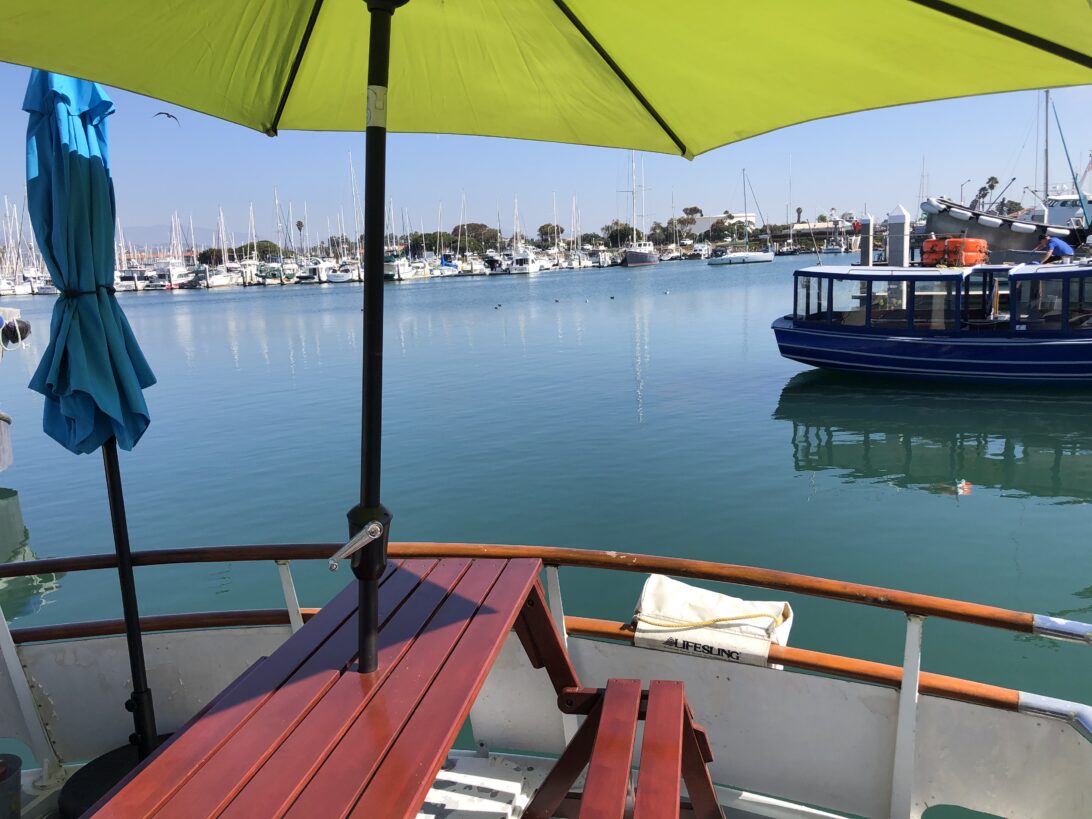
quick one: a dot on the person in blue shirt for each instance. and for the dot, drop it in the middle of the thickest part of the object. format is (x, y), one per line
(1055, 248)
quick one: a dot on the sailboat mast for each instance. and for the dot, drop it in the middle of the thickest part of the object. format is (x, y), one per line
(746, 223)
(1046, 143)
(633, 192)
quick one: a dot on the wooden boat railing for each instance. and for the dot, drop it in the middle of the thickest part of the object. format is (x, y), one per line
(915, 606)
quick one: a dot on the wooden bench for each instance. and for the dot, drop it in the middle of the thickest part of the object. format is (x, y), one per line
(673, 749)
(304, 734)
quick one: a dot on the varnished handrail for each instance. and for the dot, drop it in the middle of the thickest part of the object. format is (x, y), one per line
(908, 602)
(157, 622)
(163, 557)
(880, 673)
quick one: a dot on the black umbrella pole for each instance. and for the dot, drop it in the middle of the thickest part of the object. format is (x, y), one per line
(369, 562)
(140, 703)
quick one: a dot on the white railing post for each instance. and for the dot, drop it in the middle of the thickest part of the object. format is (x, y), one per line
(295, 619)
(906, 729)
(40, 743)
(557, 610)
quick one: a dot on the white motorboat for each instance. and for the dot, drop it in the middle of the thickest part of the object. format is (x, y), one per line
(7, 287)
(397, 269)
(742, 257)
(317, 271)
(171, 273)
(525, 260)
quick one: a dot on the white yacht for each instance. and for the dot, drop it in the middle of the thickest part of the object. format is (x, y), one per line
(398, 268)
(742, 257)
(525, 260)
(347, 271)
(171, 274)
(318, 271)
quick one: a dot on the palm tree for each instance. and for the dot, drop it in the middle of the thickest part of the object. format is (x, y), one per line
(299, 227)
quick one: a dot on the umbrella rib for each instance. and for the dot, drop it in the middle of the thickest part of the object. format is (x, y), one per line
(1005, 30)
(272, 129)
(617, 69)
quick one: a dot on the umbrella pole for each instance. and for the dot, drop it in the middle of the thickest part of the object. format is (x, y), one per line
(370, 561)
(140, 702)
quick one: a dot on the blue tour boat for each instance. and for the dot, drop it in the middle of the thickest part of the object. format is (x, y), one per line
(1027, 324)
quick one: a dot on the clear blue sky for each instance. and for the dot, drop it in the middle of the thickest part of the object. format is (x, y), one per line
(872, 158)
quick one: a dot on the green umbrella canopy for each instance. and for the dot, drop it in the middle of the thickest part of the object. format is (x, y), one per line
(668, 77)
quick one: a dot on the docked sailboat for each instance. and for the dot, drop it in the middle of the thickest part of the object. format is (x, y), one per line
(638, 252)
(746, 255)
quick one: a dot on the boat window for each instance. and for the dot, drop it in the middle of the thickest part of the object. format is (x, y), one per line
(849, 302)
(889, 303)
(934, 305)
(811, 298)
(1039, 305)
(1080, 303)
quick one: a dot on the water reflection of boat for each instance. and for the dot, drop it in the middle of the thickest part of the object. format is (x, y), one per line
(1035, 443)
(19, 596)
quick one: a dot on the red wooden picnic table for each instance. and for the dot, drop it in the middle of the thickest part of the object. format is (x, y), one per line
(302, 733)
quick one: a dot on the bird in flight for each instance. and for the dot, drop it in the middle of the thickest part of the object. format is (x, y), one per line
(168, 116)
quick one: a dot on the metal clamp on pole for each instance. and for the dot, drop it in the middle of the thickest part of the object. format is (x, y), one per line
(371, 531)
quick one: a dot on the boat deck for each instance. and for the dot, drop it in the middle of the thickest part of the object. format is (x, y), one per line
(302, 733)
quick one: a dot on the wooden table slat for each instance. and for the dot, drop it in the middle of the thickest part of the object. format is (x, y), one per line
(226, 771)
(346, 772)
(660, 775)
(289, 767)
(162, 775)
(410, 767)
(607, 783)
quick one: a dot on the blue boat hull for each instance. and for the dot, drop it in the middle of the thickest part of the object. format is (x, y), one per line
(1001, 359)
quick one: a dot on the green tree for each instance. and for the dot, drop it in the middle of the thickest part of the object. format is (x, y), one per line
(822, 217)
(658, 234)
(617, 233)
(591, 239)
(692, 211)
(210, 256)
(1011, 206)
(719, 231)
(548, 232)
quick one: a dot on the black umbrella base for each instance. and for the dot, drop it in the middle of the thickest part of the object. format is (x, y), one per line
(95, 779)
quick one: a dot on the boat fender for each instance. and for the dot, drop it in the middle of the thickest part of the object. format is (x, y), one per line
(1023, 227)
(989, 221)
(960, 214)
(1061, 233)
(676, 617)
(932, 205)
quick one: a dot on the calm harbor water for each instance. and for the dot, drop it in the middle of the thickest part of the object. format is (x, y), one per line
(643, 410)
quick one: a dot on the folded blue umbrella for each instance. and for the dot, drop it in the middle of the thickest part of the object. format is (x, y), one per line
(93, 373)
